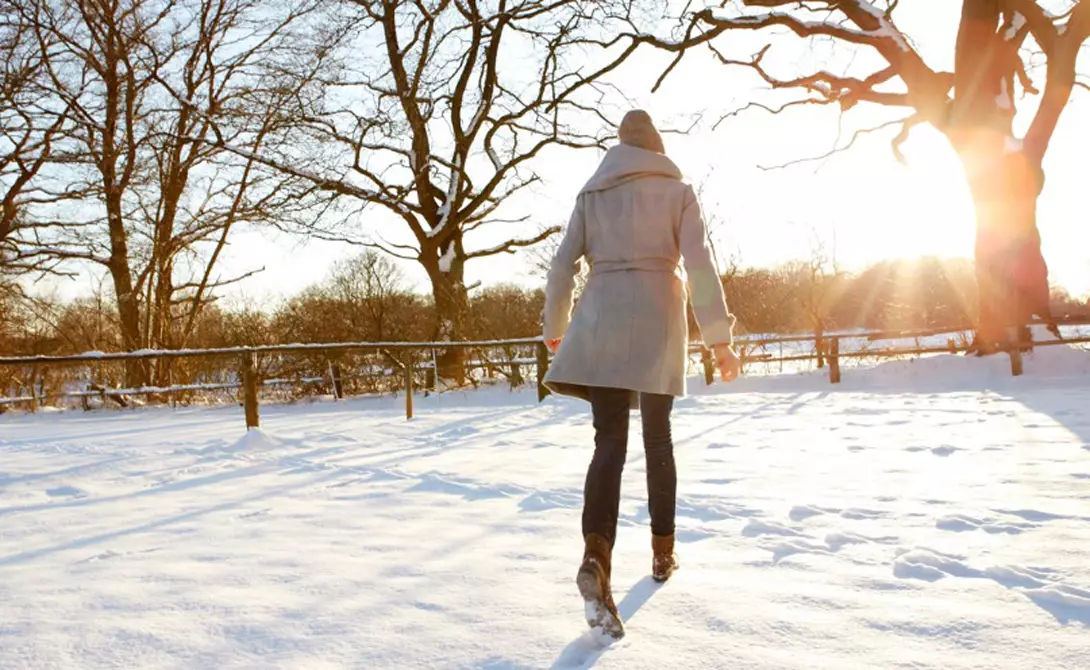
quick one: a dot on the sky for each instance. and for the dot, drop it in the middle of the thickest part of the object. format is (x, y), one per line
(861, 204)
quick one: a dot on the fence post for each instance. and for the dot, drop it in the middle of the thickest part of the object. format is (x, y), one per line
(709, 365)
(1014, 348)
(542, 368)
(408, 389)
(335, 378)
(834, 361)
(249, 389)
(170, 383)
(34, 390)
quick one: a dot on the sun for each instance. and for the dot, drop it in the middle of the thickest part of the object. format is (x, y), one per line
(923, 206)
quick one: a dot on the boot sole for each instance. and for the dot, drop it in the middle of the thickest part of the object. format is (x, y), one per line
(597, 613)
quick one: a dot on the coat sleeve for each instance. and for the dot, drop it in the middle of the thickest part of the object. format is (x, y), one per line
(566, 266)
(705, 286)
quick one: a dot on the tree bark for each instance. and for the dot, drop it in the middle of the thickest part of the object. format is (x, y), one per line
(128, 302)
(1012, 275)
(451, 307)
(1004, 175)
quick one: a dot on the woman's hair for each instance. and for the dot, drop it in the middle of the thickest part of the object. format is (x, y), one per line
(638, 130)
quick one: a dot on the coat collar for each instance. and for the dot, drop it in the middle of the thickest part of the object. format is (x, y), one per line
(624, 163)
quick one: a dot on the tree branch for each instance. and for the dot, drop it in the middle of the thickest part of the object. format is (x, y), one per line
(856, 136)
(510, 246)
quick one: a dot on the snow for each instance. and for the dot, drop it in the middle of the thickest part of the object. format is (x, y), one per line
(497, 163)
(886, 28)
(1017, 23)
(478, 116)
(1003, 100)
(445, 210)
(447, 259)
(929, 514)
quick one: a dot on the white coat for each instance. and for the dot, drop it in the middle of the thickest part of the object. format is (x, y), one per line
(633, 222)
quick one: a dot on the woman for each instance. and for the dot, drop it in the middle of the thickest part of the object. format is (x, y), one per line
(626, 345)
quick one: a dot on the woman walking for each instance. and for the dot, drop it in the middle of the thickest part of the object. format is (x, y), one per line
(626, 345)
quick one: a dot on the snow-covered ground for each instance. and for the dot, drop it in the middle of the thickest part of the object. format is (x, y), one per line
(926, 514)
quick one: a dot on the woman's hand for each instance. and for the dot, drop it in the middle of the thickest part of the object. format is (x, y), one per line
(730, 366)
(553, 345)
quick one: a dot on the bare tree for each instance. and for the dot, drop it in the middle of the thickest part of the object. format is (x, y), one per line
(437, 125)
(146, 84)
(974, 107)
(817, 285)
(373, 286)
(32, 123)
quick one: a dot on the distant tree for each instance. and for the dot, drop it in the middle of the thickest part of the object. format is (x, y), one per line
(760, 300)
(1066, 305)
(506, 311)
(817, 285)
(365, 298)
(911, 294)
(371, 287)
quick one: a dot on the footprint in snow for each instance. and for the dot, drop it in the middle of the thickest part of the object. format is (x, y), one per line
(794, 546)
(758, 528)
(945, 450)
(543, 501)
(65, 492)
(838, 540)
(859, 514)
(961, 523)
(803, 512)
(1036, 515)
(832, 544)
(1064, 602)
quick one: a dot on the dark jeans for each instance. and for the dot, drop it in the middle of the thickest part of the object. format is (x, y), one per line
(602, 492)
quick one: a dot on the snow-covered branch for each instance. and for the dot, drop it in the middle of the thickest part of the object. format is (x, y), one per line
(510, 246)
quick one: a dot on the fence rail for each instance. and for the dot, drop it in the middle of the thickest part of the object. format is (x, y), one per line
(827, 349)
(148, 354)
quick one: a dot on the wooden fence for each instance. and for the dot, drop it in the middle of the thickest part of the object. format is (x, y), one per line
(826, 349)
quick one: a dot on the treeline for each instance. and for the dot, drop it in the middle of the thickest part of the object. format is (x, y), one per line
(890, 295)
(367, 298)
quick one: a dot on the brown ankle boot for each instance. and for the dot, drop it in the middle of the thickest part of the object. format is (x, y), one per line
(665, 560)
(593, 581)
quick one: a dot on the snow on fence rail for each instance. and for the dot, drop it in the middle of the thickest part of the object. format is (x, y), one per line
(827, 349)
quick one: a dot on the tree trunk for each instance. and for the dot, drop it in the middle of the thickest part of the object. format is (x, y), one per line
(451, 307)
(128, 303)
(1012, 276)
(161, 335)
(1004, 174)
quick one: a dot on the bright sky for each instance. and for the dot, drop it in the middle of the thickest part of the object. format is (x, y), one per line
(873, 207)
